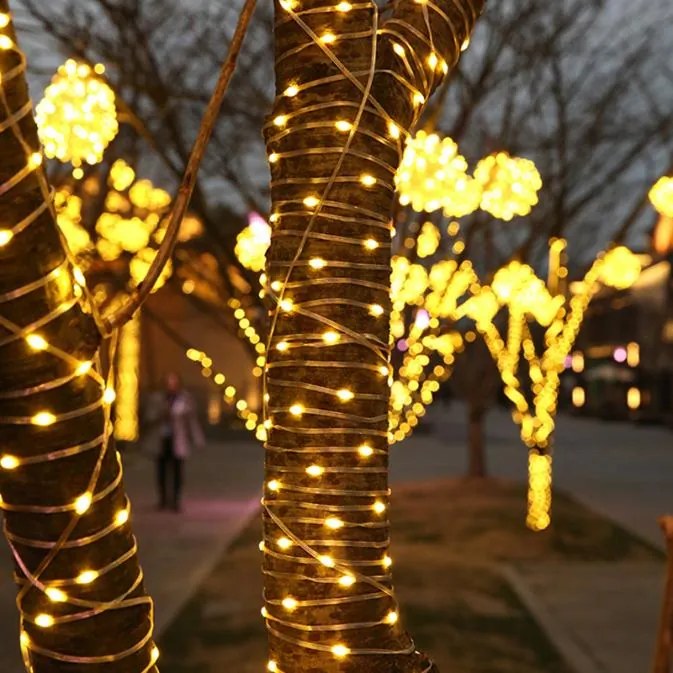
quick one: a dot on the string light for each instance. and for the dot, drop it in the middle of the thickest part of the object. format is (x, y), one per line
(36, 446)
(661, 196)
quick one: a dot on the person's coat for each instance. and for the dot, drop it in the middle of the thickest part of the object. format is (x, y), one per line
(184, 423)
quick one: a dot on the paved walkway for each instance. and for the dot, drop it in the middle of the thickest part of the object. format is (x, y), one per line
(177, 551)
(602, 617)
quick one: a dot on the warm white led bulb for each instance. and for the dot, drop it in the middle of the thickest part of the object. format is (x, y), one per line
(37, 342)
(44, 621)
(314, 470)
(331, 338)
(394, 130)
(376, 310)
(87, 577)
(43, 419)
(35, 160)
(392, 617)
(334, 523)
(343, 126)
(109, 396)
(327, 561)
(272, 666)
(292, 91)
(8, 462)
(387, 561)
(317, 263)
(274, 157)
(56, 595)
(328, 38)
(371, 244)
(280, 121)
(347, 580)
(344, 6)
(282, 346)
(122, 516)
(365, 451)
(284, 543)
(83, 368)
(83, 503)
(340, 651)
(379, 507)
(297, 409)
(311, 201)
(289, 603)
(345, 395)
(273, 485)
(368, 180)
(286, 305)
(6, 235)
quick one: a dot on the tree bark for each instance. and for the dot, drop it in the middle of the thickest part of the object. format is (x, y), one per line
(475, 439)
(664, 650)
(82, 600)
(349, 90)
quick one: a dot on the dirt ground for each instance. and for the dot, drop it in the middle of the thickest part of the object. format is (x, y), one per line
(450, 538)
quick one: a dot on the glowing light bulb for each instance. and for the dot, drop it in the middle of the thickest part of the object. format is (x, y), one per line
(317, 263)
(327, 561)
(284, 543)
(35, 160)
(433, 61)
(6, 235)
(280, 121)
(87, 577)
(261, 546)
(379, 507)
(311, 201)
(465, 44)
(83, 368)
(8, 462)
(264, 612)
(315, 470)
(297, 409)
(4, 20)
(394, 130)
(399, 49)
(122, 516)
(44, 621)
(343, 126)
(331, 338)
(273, 485)
(345, 395)
(387, 561)
(384, 371)
(83, 503)
(154, 655)
(37, 342)
(282, 346)
(43, 419)
(392, 617)
(6, 42)
(272, 666)
(347, 580)
(418, 98)
(368, 180)
(56, 595)
(334, 523)
(274, 157)
(328, 38)
(340, 651)
(344, 6)
(286, 305)
(289, 603)
(366, 451)
(109, 396)
(371, 244)
(376, 310)
(291, 91)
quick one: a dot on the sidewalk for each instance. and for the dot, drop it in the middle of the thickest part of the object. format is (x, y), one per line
(178, 551)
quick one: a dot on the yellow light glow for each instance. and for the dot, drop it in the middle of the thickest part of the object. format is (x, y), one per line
(37, 342)
(109, 396)
(272, 666)
(621, 268)
(379, 507)
(6, 42)
(56, 595)
(371, 244)
(387, 561)
(282, 346)
(4, 20)
(292, 91)
(366, 451)
(392, 617)
(127, 421)
(331, 338)
(284, 543)
(344, 6)
(289, 603)
(43, 419)
(6, 235)
(280, 120)
(345, 395)
(8, 462)
(368, 180)
(77, 118)
(87, 577)
(347, 580)
(334, 523)
(315, 470)
(539, 491)
(394, 131)
(274, 485)
(286, 305)
(343, 126)
(297, 409)
(44, 621)
(122, 516)
(340, 651)
(328, 38)
(661, 196)
(633, 398)
(83, 503)
(327, 561)
(83, 368)
(579, 397)
(376, 310)
(155, 654)
(317, 263)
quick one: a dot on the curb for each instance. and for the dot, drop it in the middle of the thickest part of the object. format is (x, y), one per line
(579, 660)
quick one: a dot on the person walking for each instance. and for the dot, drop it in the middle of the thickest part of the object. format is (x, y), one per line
(180, 432)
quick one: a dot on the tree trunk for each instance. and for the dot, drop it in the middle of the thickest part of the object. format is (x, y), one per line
(81, 596)
(335, 139)
(476, 416)
(664, 650)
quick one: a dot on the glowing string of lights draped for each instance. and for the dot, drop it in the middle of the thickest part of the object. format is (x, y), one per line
(326, 533)
(60, 569)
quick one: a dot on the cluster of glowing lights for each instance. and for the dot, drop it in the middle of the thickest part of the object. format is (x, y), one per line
(253, 242)
(126, 422)
(539, 491)
(77, 118)
(621, 268)
(661, 196)
(433, 175)
(510, 185)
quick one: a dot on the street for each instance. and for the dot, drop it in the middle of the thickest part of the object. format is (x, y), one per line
(622, 471)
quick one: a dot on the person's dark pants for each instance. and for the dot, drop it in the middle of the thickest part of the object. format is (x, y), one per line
(169, 462)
